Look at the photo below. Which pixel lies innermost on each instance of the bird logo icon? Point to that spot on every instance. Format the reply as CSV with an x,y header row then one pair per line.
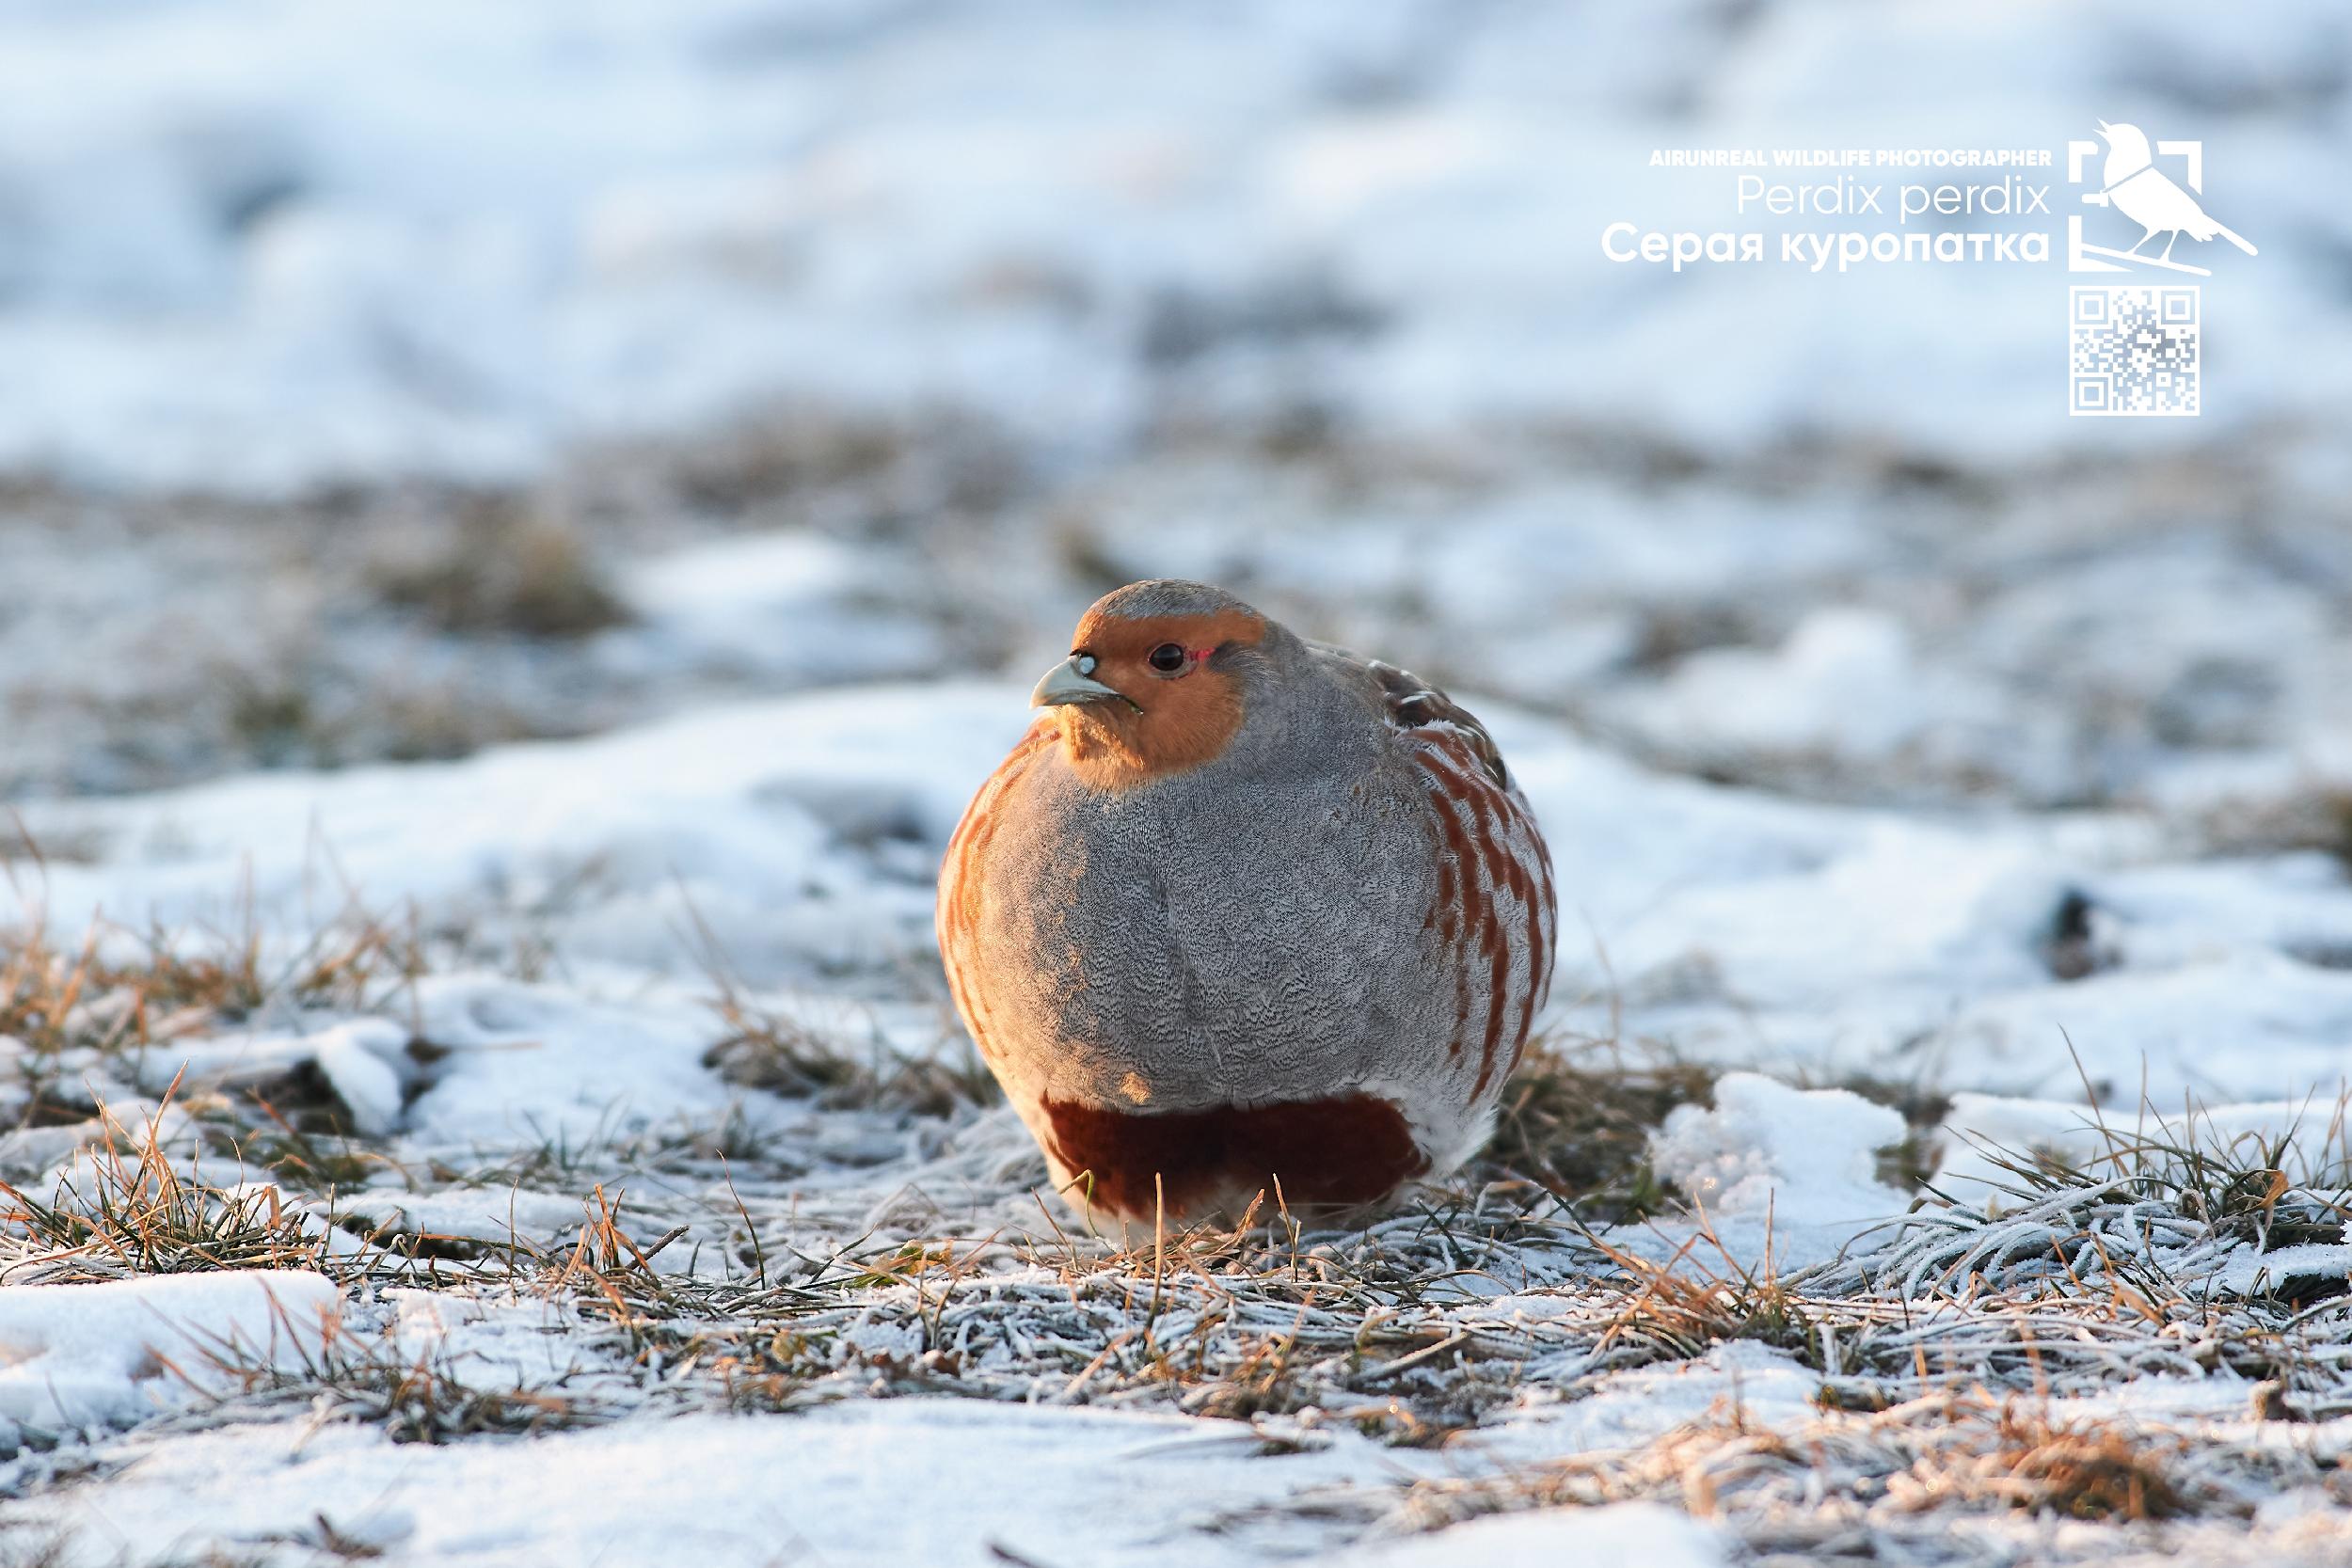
x,y
2132,185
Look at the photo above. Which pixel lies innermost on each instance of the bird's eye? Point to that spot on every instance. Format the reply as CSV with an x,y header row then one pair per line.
x,y
1083,663
1167,658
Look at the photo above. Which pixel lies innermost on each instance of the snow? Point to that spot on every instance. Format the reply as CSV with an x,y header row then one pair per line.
x,y
247,246
1799,1164
719,813
478,1215
72,1355
1846,682
1797,945
2214,1029
797,605
921,1480
2310,1131
1622,1532
361,1057
352,1056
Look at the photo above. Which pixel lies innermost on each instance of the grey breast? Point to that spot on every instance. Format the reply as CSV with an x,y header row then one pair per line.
x,y
1251,930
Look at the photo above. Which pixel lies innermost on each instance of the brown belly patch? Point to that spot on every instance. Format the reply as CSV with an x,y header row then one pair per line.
x,y
1342,1151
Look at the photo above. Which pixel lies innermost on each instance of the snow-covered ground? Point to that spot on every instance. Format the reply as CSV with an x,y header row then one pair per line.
x,y
547,1092
522,527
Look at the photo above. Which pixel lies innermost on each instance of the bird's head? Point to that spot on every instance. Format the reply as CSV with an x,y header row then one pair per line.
x,y
2127,141
1158,680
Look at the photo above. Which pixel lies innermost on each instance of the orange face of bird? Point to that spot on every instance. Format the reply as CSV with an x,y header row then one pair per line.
x,y
1143,696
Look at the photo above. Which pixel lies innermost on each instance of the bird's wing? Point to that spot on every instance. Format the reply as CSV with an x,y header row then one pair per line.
x,y
1414,705
1496,905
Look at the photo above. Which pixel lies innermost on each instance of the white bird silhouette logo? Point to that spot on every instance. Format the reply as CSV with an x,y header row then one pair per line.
x,y
2147,195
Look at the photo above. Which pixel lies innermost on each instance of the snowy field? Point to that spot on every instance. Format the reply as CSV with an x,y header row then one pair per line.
x,y
522,530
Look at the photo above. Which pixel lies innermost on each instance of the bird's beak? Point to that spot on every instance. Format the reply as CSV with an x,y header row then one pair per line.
x,y
2105,128
1063,686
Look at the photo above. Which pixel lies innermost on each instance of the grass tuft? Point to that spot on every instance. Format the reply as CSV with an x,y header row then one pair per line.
x,y
123,989
501,567
1907,1476
117,1216
1582,1132
2078,1470
764,1049
1681,1307
424,1401
419,1399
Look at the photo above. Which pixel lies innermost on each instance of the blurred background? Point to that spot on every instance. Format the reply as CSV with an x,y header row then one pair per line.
x,y
383,381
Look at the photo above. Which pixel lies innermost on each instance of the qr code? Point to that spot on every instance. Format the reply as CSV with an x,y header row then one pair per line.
x,y
2131,350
